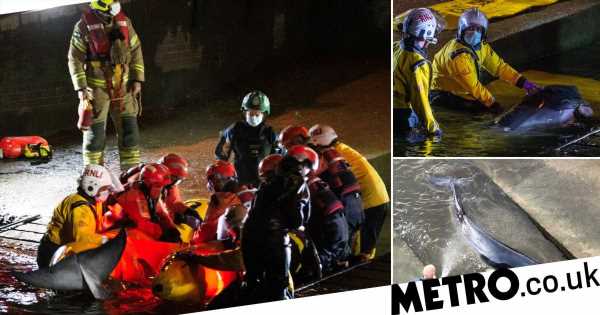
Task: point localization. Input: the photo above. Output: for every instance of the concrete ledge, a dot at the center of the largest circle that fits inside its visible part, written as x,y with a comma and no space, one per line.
560,195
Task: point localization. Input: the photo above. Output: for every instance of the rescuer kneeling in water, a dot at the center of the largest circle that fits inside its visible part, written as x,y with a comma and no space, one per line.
141,205
222,181
78,217
374,195
457,68
282,204
412,76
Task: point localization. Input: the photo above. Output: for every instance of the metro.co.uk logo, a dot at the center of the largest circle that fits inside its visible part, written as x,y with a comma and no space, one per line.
501,285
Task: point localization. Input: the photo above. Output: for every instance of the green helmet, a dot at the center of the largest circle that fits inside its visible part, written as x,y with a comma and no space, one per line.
256,100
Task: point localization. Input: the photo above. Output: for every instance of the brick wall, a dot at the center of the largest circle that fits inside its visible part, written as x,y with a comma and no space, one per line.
192,48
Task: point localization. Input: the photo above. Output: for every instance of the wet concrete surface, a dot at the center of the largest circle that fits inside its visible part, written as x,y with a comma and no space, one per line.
352,95
407,266
424,217
560,195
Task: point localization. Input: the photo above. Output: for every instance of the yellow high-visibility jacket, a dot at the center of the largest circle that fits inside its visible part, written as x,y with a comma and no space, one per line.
372,187
456,69
85,73
412,80
75,220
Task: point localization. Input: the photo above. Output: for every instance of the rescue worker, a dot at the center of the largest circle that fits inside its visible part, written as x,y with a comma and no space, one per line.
281,205
226,191
412,76
250,140
107,68
457,68
78,217
292,135
268,166
179,168
142,207
374,195
327,225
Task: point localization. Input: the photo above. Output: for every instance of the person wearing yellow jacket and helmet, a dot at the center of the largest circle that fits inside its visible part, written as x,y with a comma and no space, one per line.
412,75
77,218
107,68
457,68
374,194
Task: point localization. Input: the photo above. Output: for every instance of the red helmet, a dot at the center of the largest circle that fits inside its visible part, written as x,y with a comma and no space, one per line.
292,135
269,164
303,153
176,164
155,176
222,168
219,173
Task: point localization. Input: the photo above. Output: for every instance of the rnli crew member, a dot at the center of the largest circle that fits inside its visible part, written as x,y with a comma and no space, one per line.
374,195
141,205
281,205
457,68
78,217
412,76
107,68
250,140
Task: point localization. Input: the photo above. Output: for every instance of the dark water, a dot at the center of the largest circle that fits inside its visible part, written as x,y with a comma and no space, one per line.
468,134
424,216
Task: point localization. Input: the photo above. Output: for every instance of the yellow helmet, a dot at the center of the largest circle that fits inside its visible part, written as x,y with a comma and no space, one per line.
101,5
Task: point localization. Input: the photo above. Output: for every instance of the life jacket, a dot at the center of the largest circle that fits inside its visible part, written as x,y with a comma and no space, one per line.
336,172
137,208
250,145
99,41
324,201
24,146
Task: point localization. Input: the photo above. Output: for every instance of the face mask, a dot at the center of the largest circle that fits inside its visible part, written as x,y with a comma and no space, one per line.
254,120
115,8
472,38
102,196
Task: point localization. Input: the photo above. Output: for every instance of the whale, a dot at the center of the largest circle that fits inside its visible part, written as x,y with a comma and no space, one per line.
554,107
86,270
492,251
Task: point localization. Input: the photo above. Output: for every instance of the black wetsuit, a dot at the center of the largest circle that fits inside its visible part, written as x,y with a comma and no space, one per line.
327,226
250,145
281,205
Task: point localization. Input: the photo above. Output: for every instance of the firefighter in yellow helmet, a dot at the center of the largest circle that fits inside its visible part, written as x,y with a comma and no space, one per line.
107,69
457,68
412,76
77,218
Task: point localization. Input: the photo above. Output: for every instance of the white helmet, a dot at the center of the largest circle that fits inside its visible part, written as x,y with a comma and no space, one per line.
322,135
420,23
472,17
94,178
